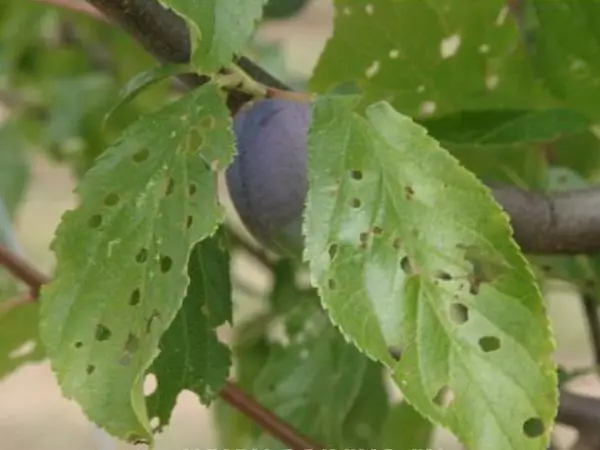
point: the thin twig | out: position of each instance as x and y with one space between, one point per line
590 307
232 394
77 6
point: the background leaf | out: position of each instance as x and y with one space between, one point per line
122 256
416 264
191 355
15 174
406 429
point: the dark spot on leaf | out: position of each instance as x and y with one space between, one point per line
474 284
459 313
444 397
142 256
397 243
95 221
590 283
332 284
406 266
546 268
136 439
355 202
489 343
165 264
132 344
377 230
562 179
333 248
170 187
207 122
395 353
111 199
141 156
443 275
356 175
533 427
364 239
192 189
190 221
78 344
135 297
90 369
102 333
409 192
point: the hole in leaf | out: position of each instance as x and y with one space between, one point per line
409 192
90 369
489 343
355 202
443 275
474 284
364 239
141 156
397 243
190 221
165 264
332 284
150 384
95 221
111 199
170 187
153 317
192 189
533 427
444 397
135 297
142 256
132 344
406 266
356 175
78 344
377 230
395 353
333 248
207 122
102 333
459 313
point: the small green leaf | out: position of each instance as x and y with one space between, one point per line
144 80
191 355
122 256
470 347
14 164
220 29
429 58
566 50
406 429
19 339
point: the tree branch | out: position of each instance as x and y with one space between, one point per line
590 307
231 393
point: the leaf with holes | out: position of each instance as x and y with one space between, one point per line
318 368
220 29
415 262
566 50
19 339
15 166
468 58
122 256
191 356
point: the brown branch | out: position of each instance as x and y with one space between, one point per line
232 394
76 6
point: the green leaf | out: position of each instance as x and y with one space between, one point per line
14 164
406 429
566 50
506 127
429 58
122 256
220 29
145 79
312 383
191 355
393 227
19 339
